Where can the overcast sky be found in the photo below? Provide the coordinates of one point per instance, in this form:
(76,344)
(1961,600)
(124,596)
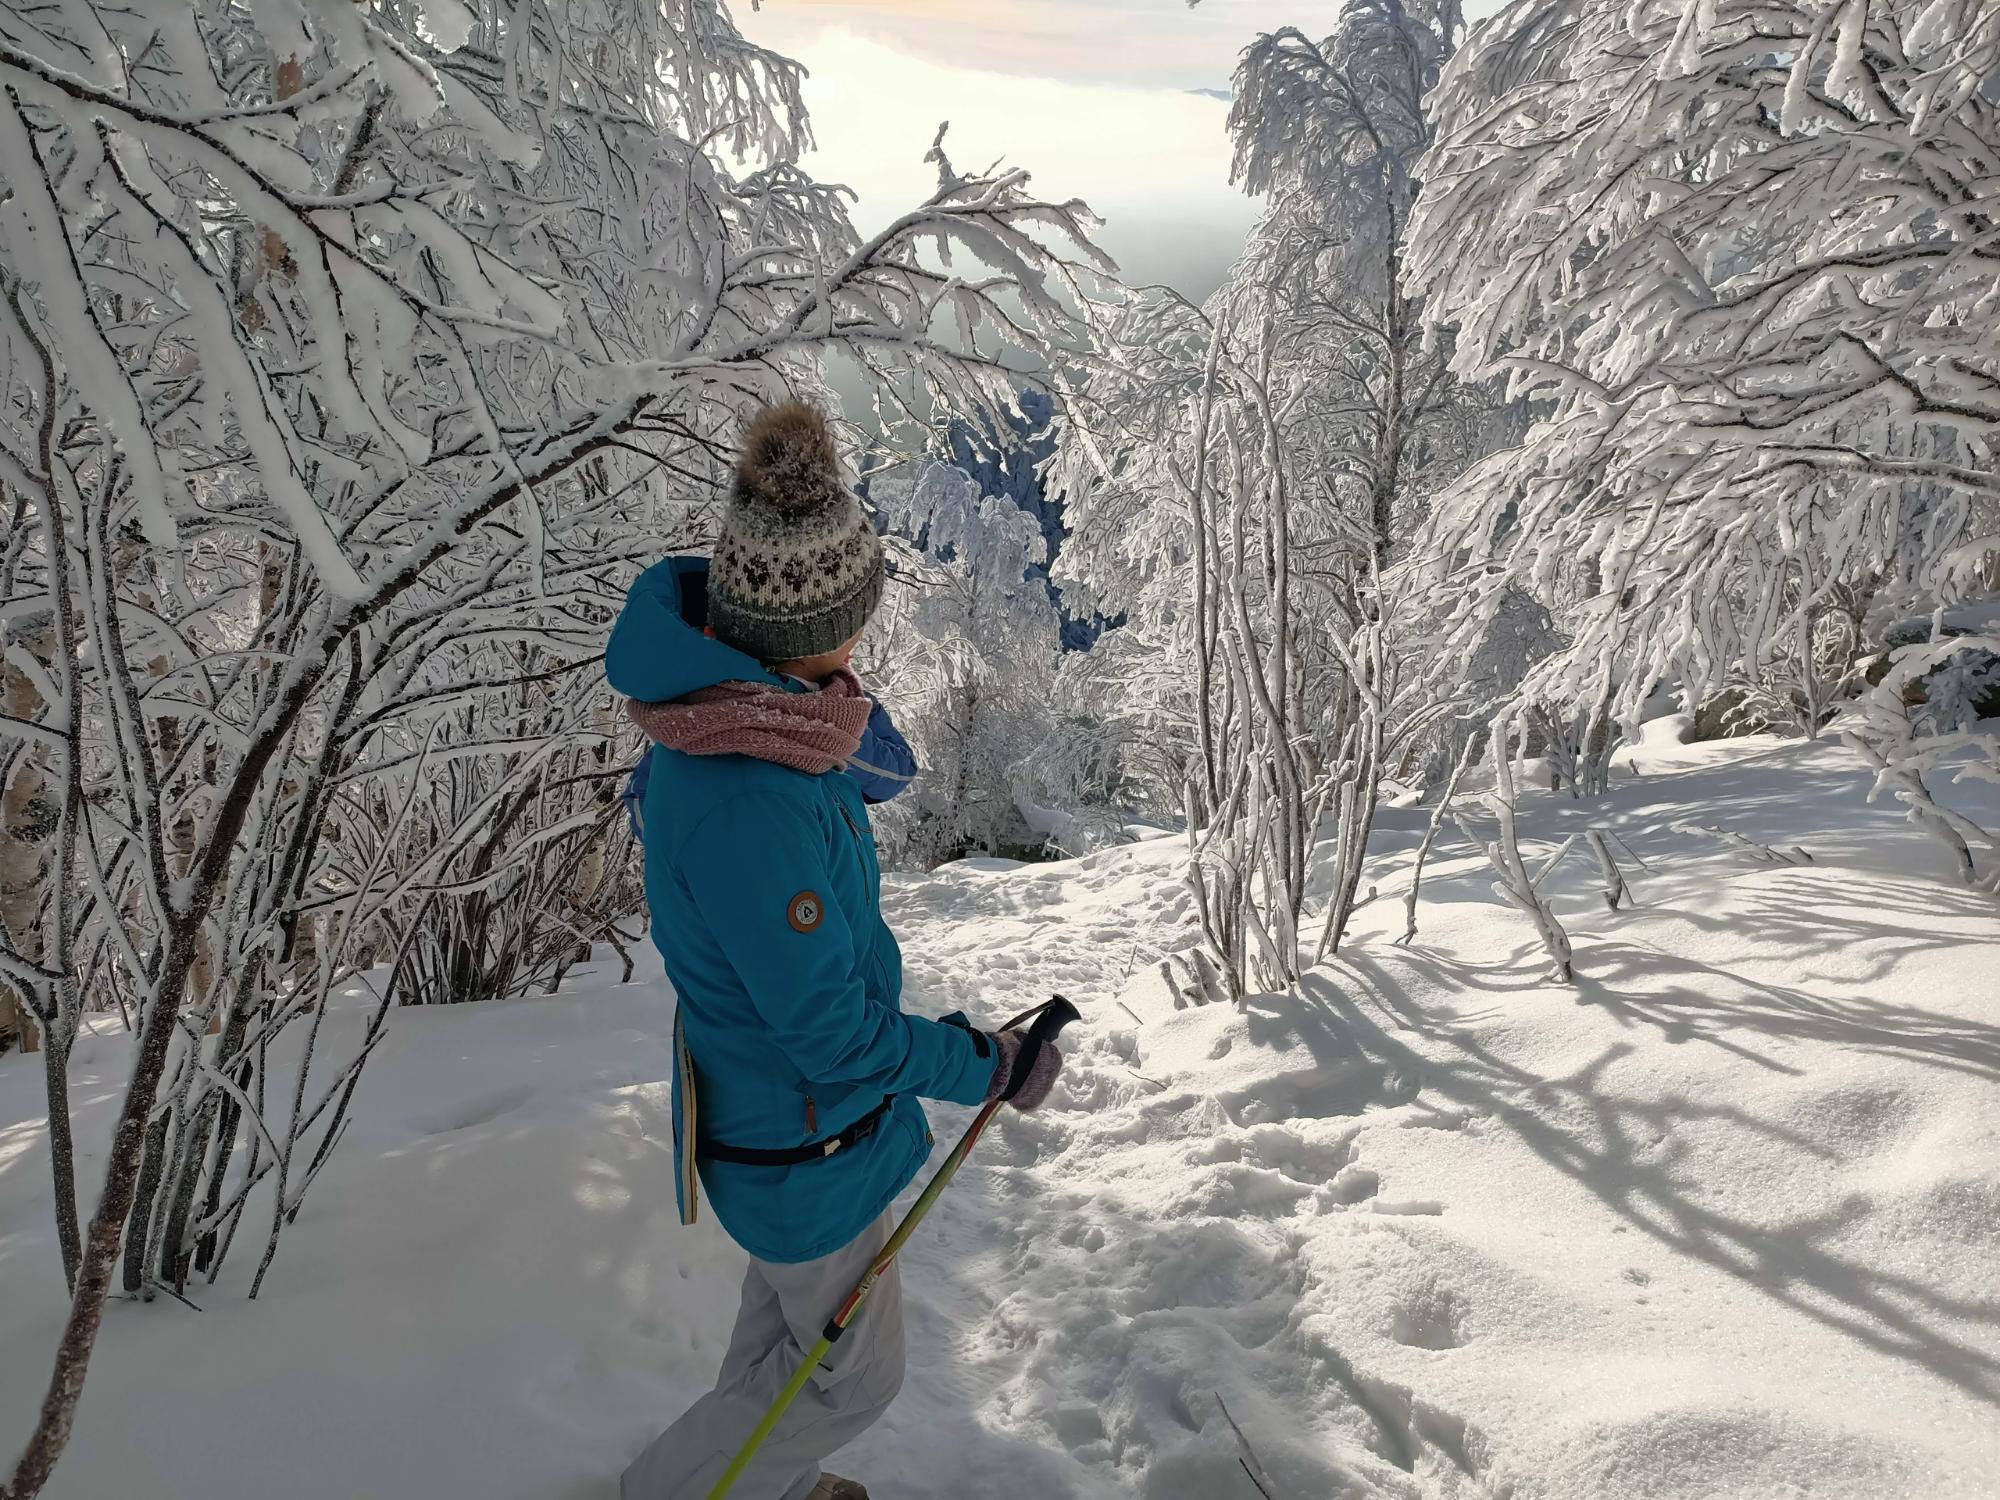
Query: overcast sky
(1095,97)
(1098,98)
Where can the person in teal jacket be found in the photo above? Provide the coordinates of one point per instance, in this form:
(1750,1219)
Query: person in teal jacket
(799,1074)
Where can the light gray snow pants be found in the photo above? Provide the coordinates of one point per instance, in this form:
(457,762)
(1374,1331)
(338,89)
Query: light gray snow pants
(785,1311)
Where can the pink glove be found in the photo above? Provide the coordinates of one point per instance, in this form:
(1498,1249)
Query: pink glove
(1041,1077)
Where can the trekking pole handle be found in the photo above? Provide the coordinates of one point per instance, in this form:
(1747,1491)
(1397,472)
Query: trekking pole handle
(1055,1015)
(1050,1018)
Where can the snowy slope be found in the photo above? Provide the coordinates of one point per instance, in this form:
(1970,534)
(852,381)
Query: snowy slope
(1722,1219)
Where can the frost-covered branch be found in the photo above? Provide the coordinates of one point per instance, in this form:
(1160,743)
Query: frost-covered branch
(350,371)
(1740,256)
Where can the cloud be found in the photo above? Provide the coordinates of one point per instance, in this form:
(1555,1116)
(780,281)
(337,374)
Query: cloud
(1153,161)
(1118,102)
(1157,43)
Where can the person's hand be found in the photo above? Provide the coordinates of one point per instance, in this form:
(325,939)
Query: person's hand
(1033,1089)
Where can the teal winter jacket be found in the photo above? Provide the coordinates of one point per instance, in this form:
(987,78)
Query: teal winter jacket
(766,905)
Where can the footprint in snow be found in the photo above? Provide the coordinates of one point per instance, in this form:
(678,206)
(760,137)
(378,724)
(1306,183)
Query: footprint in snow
(1339,1089)
(1077,1234)
(1312,1162)
(1355,1185)
(1358,1187)
(1234,1191)
(1433,1317)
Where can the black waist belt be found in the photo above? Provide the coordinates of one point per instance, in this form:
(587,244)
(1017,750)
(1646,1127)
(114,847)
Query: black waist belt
(792,1156)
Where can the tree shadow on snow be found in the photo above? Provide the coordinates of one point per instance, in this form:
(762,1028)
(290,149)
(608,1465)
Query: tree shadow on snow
(1687,1000)
(1623,1150)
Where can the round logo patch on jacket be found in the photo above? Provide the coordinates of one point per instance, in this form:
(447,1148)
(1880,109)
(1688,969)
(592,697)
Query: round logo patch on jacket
(806,912)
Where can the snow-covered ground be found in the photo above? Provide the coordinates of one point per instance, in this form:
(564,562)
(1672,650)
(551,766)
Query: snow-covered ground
(1720,1219)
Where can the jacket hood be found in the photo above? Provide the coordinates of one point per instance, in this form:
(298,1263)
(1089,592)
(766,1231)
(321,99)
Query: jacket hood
(657,650)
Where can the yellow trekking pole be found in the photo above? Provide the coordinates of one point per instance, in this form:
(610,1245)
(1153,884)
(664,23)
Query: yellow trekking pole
(1049,1018)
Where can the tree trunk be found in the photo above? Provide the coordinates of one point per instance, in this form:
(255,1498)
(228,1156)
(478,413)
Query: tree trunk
(121,1183)
(26,821)
(62,1152)
(24,826)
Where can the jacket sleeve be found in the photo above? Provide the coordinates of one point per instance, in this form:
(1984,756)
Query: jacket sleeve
(885,764)
(756,869)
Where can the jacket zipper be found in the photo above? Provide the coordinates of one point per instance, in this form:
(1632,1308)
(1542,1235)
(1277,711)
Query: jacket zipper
(860,854)
(812,1116)
(848,818)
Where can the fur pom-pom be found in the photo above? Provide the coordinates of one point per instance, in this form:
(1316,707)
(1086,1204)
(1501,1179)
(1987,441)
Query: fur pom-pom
(788,461)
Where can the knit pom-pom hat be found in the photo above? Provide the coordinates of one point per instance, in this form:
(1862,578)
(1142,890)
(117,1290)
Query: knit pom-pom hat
(797,569)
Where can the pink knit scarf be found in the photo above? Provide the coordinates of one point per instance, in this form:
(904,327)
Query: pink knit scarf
(810,732)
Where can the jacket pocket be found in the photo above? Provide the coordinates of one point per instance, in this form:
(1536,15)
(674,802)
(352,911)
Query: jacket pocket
(825,1108)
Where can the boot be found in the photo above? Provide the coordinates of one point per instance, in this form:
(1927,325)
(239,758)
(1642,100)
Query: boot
(833,1487)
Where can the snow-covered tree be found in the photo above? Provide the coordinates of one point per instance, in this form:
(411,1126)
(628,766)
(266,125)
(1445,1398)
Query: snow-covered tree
(1739,254)
(1011,459)
(1243,480)
(1334,133)
(353,354)
(965,648)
